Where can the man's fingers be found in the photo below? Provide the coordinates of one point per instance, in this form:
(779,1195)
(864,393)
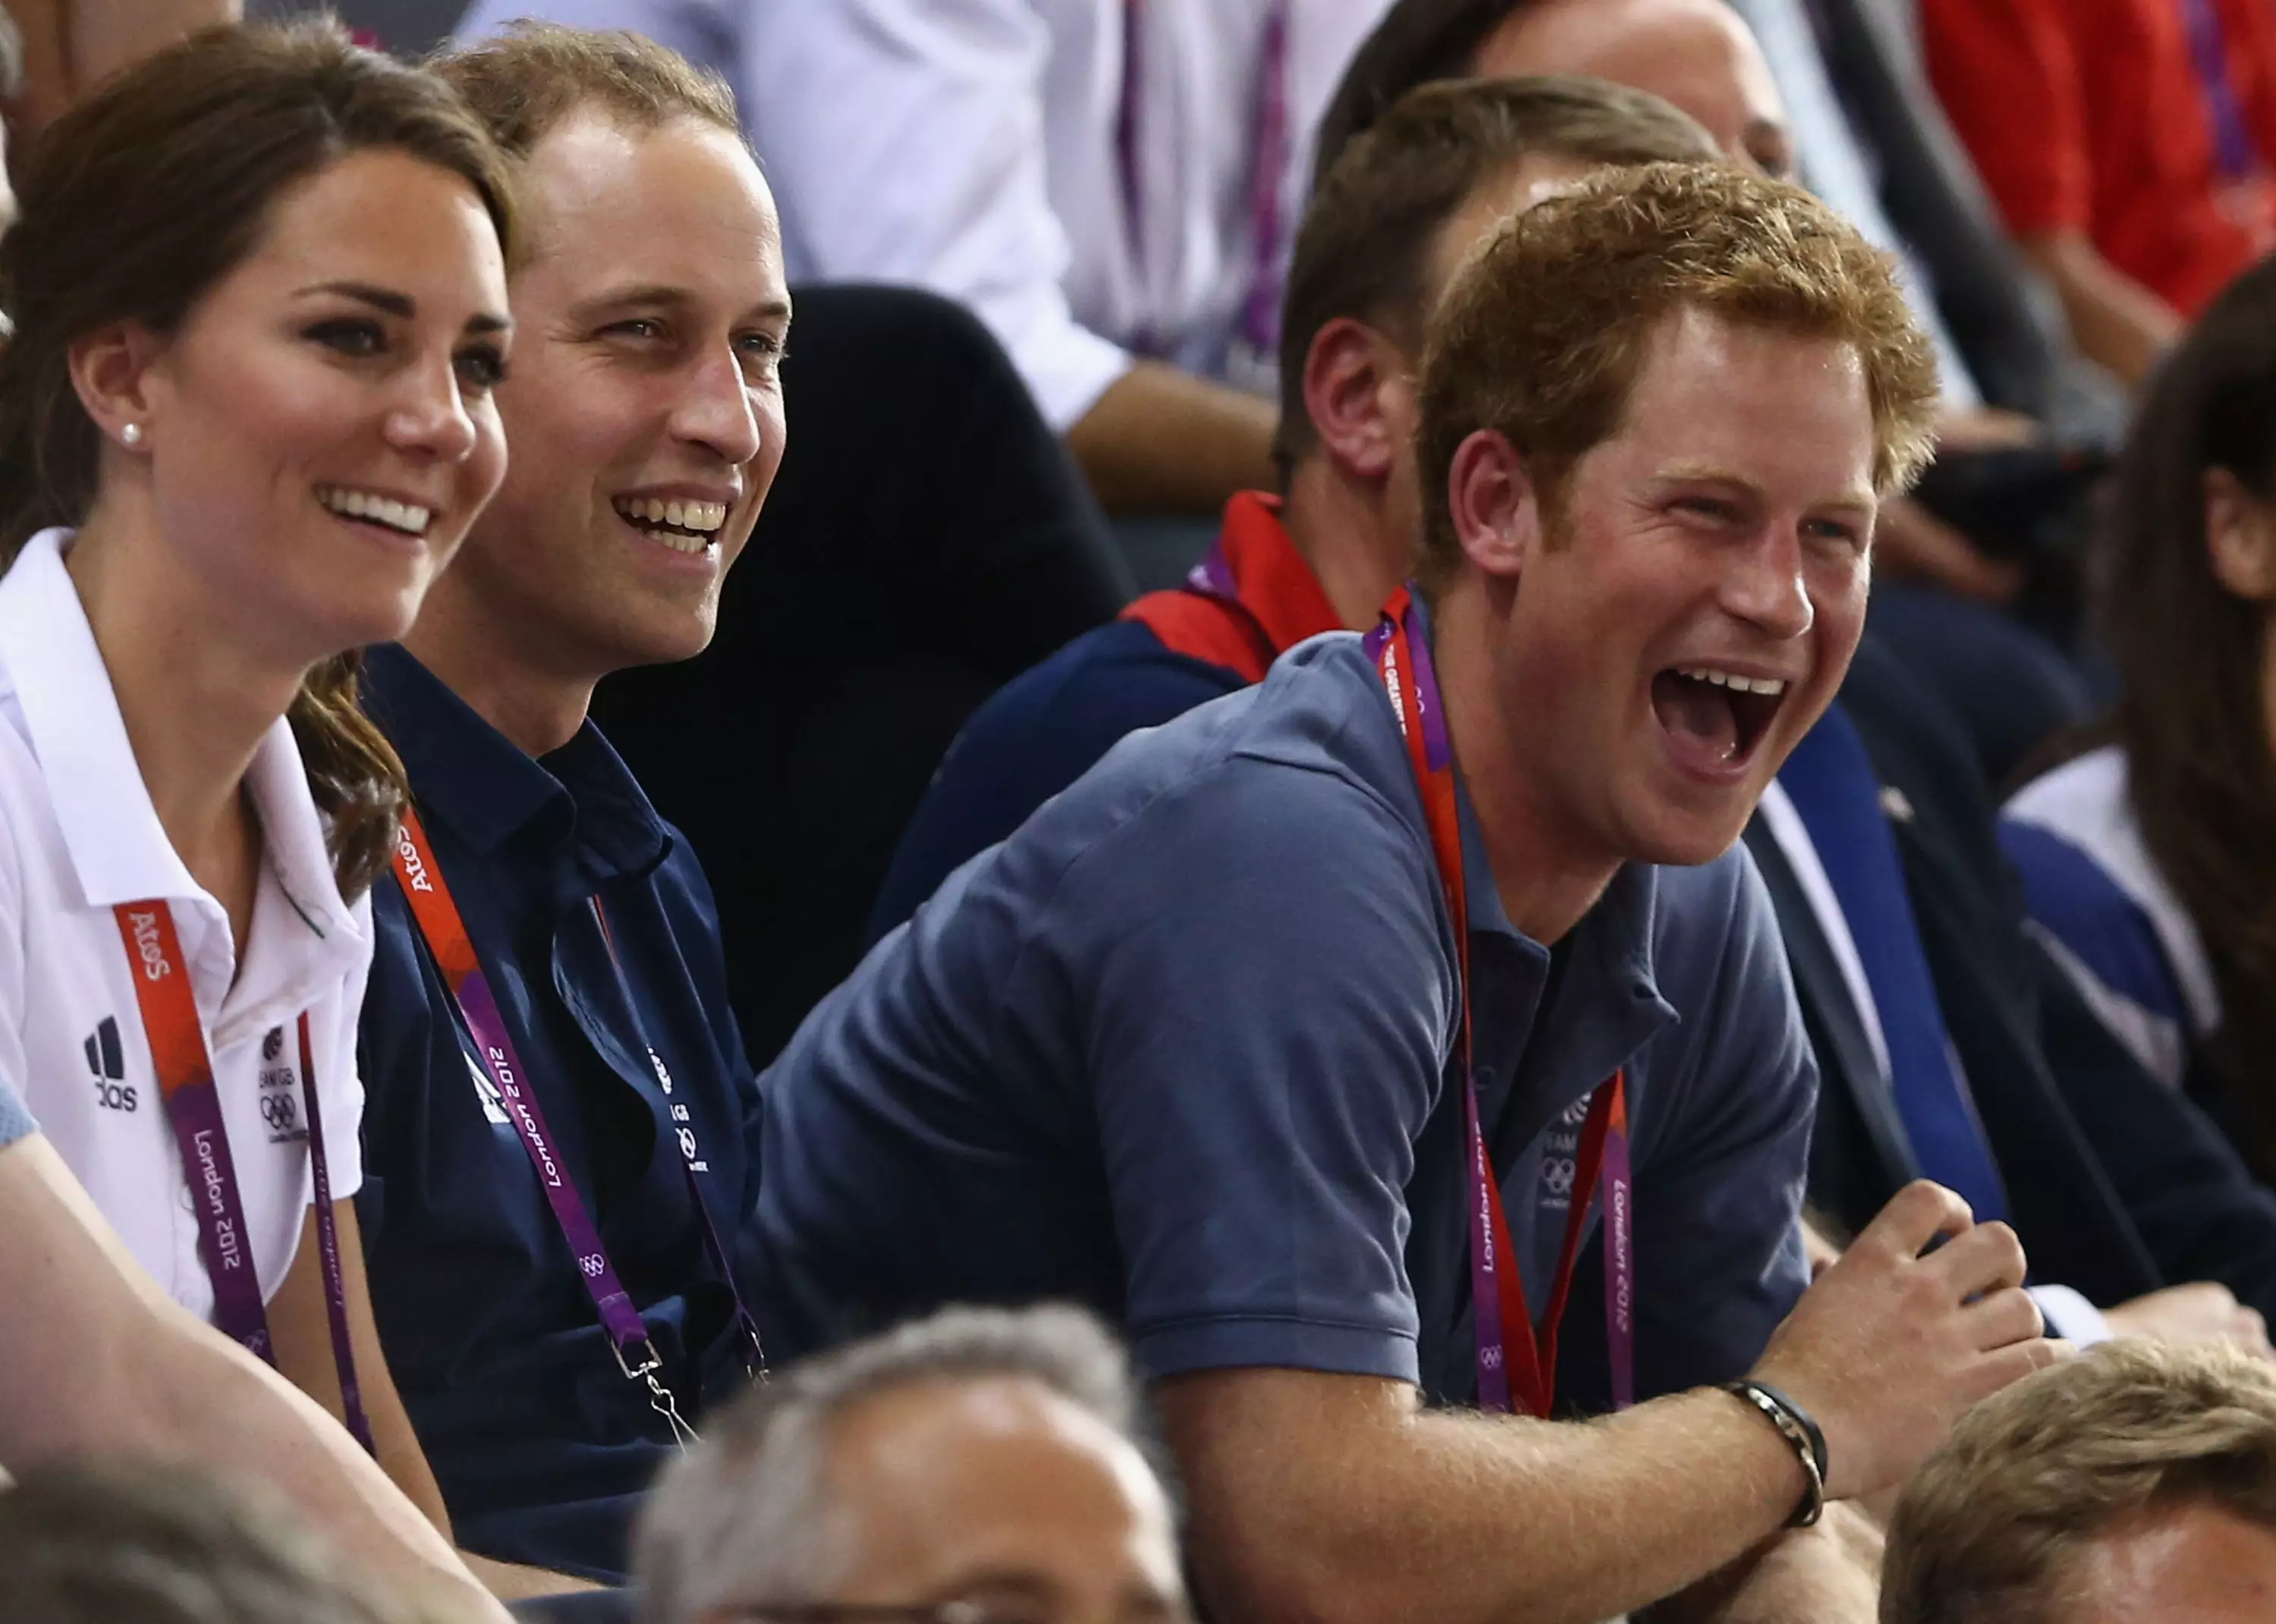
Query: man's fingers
(2017,1359)
(1986,1259)
(1915,1215)
(2005,1316)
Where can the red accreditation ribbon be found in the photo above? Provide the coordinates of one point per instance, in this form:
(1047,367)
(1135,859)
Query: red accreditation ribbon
(1516,1360)
(192,1103)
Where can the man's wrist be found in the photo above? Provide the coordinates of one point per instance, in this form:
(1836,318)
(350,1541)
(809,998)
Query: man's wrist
(1799,1431)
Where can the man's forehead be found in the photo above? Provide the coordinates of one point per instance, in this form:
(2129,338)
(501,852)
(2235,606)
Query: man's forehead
(1724,401)
(682,206)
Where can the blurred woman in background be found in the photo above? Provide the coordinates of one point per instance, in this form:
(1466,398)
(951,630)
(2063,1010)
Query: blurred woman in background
(2149,862)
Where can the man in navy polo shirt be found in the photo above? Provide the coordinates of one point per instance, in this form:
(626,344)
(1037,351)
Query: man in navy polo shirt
(1192,1044)
(1385,229)
(559,1116)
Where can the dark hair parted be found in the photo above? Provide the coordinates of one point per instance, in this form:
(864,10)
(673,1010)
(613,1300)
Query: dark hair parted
(135,203)
(2192,717)
(525,80)
(1417,43)
(1366,249)
(1545,330)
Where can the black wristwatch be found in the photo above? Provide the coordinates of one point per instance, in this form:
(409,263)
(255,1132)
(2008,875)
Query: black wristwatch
(1794,1424)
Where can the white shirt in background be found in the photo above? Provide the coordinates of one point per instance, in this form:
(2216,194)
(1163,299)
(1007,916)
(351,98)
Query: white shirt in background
(972,147)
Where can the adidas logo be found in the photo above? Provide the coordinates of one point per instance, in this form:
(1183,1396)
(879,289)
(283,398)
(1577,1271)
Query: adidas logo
(108,1061)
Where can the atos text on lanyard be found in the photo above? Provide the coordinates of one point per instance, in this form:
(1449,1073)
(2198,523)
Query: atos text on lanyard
(185,1083)
(444,928)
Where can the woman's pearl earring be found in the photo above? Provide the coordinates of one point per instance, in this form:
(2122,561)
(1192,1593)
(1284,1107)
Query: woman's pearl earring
(131,434)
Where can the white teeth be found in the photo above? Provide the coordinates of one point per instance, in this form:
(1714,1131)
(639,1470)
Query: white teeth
(701,517)
(1736,684)
(408,517)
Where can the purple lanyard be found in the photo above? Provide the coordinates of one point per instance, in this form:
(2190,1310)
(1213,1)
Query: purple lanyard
(691,1157)
(2209,51)
(444,931)
(1260,311)
(192,1102)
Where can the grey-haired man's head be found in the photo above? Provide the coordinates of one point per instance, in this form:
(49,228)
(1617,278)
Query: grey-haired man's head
(980,1464)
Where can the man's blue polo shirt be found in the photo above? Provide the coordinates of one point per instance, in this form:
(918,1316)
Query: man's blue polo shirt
(1178,1049)
(540,1445)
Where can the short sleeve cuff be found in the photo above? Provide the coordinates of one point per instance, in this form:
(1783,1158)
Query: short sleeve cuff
(1286,1344)
(1067,368)
(2071,1316)
(15,1121)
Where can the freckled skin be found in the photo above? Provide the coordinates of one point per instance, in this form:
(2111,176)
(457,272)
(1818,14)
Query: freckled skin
(1729,524)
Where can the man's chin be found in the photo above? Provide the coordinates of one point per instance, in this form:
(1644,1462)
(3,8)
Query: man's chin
(660,641)
(1687,838)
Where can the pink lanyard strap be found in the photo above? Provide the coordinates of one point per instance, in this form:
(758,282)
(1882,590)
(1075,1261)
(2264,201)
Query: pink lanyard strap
(1260,311)
(2233,148)
(193,1102)
(1516,1363)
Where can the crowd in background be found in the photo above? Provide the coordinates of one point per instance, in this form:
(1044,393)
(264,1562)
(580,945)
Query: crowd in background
(1483,823)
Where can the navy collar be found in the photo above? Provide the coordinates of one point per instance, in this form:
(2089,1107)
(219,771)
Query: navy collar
(472,779)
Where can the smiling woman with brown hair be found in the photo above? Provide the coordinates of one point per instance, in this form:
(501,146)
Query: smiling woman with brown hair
(259,293)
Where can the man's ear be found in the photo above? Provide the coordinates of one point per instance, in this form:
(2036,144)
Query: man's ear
(2240,537)
(1358,394)
(1494,503)
(111,369)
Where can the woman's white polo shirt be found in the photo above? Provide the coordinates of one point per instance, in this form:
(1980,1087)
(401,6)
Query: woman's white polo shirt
(79,836)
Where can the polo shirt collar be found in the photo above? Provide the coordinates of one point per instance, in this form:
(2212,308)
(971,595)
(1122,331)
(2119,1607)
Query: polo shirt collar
(118,848)
(1599,979)
(1614,940)
(1606,959)
(1271,578)
(489,791)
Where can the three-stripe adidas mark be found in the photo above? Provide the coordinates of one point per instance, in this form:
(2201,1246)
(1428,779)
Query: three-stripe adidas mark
(108,1061)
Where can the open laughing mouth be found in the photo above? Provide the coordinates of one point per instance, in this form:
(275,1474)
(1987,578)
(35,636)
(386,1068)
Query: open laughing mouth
(683,526)
(1715,718)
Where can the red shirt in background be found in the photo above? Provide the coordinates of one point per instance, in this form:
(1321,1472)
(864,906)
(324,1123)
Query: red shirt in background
(2092,116)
